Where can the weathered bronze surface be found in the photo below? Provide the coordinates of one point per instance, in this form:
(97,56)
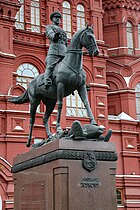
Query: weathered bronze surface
(67,76)
(78,133)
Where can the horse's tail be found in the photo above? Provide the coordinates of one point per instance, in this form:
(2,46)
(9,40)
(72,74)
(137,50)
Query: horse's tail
(24,98)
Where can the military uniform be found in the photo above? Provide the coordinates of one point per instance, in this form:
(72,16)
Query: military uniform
(57,49)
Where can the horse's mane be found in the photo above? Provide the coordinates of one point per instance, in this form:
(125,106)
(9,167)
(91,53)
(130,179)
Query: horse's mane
(78,33)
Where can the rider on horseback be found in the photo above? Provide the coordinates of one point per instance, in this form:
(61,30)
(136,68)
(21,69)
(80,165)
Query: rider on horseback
(58,46)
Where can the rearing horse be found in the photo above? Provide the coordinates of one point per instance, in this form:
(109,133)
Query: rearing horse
(67,77)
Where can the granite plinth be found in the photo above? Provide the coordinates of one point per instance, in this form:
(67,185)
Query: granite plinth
(66,175)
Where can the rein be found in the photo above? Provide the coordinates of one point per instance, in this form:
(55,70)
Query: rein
(79,51)
(76,51)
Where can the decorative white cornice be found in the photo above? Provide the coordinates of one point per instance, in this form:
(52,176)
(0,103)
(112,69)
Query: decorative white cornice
(7,55)
(98,85)
(127,176)
(14,111)
(132,201)
(9,201)
(1,158)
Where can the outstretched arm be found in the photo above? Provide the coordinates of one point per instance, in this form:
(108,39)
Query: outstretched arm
(51,34)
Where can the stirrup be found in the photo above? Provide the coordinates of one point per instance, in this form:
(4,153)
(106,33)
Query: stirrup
(48,82)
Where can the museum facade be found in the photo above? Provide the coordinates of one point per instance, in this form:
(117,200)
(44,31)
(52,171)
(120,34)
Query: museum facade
(113,82)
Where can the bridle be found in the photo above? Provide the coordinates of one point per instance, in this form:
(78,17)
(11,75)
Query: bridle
(76,51)
(79,51)
(88,46)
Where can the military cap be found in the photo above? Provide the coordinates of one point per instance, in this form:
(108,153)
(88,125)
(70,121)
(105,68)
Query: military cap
(55,14)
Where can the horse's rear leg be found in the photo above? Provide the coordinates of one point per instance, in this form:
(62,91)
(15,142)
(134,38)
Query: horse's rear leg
(60,95)
(83,95)
(50,104)
(32,120)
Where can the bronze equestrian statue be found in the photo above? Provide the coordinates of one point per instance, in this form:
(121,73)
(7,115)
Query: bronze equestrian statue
(67,76)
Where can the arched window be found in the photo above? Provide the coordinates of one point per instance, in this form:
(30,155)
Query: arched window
(137,90)
(0,203)
(35,16)
(19,24)
(80,16)
(26,72)
(139,35)
(119,197)
(74,106)
(130,44)
(67,18)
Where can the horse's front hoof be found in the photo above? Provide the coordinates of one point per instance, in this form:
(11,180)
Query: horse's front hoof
(93,122)
(59,129)
(49,139)
(27,144)
(59,133)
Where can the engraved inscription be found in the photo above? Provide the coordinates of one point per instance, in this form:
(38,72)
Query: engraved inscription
(90,182)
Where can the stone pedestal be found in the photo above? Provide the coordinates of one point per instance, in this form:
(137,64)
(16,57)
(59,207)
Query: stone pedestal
(66,175)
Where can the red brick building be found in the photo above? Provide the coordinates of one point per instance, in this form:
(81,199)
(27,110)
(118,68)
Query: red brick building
(113,78)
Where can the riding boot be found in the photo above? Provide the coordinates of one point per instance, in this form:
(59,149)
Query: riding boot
(47,80)
(77,131)
(107,137)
